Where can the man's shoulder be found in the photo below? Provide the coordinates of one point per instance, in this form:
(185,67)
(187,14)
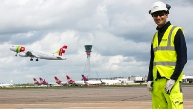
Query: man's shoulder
(176,26)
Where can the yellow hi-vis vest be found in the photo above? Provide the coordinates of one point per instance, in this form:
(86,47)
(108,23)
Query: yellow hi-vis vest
(164,54)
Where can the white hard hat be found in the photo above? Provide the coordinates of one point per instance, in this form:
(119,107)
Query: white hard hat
(159,6)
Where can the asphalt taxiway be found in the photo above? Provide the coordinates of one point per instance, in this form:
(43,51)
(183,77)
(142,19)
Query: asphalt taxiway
(84,98)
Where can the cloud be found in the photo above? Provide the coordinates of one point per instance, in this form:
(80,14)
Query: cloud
(120,32)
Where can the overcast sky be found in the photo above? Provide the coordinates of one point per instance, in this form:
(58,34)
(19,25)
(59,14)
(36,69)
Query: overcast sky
(119,30)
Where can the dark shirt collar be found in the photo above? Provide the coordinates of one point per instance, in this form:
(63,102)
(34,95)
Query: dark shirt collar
(163,28)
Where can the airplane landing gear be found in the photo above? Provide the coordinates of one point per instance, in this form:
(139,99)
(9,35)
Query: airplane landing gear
(37,59)
(31,59)
(16,54)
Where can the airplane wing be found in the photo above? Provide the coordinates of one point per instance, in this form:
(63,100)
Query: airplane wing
(31,54)
(61,58)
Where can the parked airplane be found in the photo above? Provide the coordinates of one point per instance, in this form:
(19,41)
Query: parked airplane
(25,52)
(36,82)
(44,82)
(91,82)
(6,85)
(72,82)
(111,82)
(58,81)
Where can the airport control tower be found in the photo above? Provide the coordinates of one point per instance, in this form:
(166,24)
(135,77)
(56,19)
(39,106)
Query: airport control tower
(88,52)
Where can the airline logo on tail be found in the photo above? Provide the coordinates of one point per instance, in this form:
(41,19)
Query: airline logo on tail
(84,78)
(70,81)
(58,81)
(43,81)
(61,51)
(36,82)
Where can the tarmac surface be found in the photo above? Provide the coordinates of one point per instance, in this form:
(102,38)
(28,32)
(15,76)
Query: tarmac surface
(84,98)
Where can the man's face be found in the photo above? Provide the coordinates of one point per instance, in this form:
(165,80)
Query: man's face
(160,18)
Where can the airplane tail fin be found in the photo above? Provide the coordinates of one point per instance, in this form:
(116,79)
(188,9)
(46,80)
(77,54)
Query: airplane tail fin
(57,80)
(69,79)
(35,81)
(61,51)
(41,80)
(45,82)
(84,78)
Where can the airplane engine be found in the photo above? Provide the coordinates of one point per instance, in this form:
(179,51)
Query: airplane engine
(22,54)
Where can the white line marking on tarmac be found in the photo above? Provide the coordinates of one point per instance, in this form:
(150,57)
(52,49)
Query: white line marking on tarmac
(40,108)
(88,107)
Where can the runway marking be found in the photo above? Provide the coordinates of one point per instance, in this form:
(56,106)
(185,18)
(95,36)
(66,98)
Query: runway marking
(66,107)
(40,108)
(89,107)
(55,103)
(133,102)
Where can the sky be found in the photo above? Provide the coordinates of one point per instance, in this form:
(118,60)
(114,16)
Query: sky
(119,31)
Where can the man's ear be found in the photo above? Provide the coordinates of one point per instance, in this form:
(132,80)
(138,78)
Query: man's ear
(166,15)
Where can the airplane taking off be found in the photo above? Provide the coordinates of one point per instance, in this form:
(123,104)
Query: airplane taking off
(72,82)
(36,81)
(58,81)
(6,85)
(25,52)
(91,82)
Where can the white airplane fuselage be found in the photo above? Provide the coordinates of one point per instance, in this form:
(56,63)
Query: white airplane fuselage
(5,85)
(79,83)
(111,82)
(93,82)
(43,55)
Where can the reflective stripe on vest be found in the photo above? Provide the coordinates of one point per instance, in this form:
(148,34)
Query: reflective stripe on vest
(165,63)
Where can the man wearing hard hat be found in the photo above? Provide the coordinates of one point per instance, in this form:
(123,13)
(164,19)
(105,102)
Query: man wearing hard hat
(168,58)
